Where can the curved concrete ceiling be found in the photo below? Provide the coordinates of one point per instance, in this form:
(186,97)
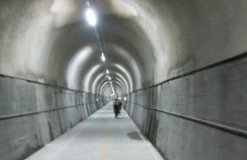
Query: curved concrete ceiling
(145,42)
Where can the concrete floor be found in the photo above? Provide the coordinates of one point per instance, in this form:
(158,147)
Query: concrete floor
(100,137)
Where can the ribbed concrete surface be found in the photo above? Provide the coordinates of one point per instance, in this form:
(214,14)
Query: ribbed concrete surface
(100,137)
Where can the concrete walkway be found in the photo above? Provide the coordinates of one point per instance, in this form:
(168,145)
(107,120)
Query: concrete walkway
(100,137)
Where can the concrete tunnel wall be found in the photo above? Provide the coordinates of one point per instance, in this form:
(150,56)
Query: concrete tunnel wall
(181,65)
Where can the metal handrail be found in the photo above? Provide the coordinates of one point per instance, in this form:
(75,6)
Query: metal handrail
(46,84)
(223,62)
(218,126)
(43,111)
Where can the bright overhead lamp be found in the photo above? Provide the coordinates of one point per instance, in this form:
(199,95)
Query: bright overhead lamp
(107,71)
(103,57)
(109,78)
(91,17)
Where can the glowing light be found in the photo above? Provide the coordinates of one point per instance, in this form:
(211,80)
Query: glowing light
(103,57)
(109,78)
(112,88)
(107,71)
(91,17)
(125,98)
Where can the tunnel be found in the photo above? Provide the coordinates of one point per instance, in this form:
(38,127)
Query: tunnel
(178,66)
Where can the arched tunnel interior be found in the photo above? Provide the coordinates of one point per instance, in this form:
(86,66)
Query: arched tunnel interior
(179,67)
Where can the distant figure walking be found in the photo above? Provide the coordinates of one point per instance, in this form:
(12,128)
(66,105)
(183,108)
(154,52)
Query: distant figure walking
(117,107)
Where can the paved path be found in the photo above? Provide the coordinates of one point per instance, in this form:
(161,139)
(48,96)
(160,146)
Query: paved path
(100,137)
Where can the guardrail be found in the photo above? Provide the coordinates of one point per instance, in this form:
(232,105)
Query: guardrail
(58,90)
(43,111)
(218,126)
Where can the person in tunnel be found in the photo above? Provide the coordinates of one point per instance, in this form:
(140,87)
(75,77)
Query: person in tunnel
(117,106)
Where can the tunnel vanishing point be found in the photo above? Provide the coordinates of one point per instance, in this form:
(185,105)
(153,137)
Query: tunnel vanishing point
(179,66)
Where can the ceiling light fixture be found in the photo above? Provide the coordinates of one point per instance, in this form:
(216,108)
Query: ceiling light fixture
(91,17)
(103,57)
(107,71)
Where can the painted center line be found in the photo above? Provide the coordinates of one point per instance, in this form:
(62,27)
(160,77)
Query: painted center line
(105,147)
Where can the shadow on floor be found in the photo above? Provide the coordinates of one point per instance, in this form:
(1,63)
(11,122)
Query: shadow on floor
(134,135)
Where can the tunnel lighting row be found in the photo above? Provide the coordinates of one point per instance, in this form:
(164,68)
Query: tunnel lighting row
(92,21)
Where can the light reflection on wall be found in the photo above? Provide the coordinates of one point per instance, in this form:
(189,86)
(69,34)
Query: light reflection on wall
(126,72)
(89,77)
(100,80)
(128,84)
(96,81)
(72,73)
(106,87)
